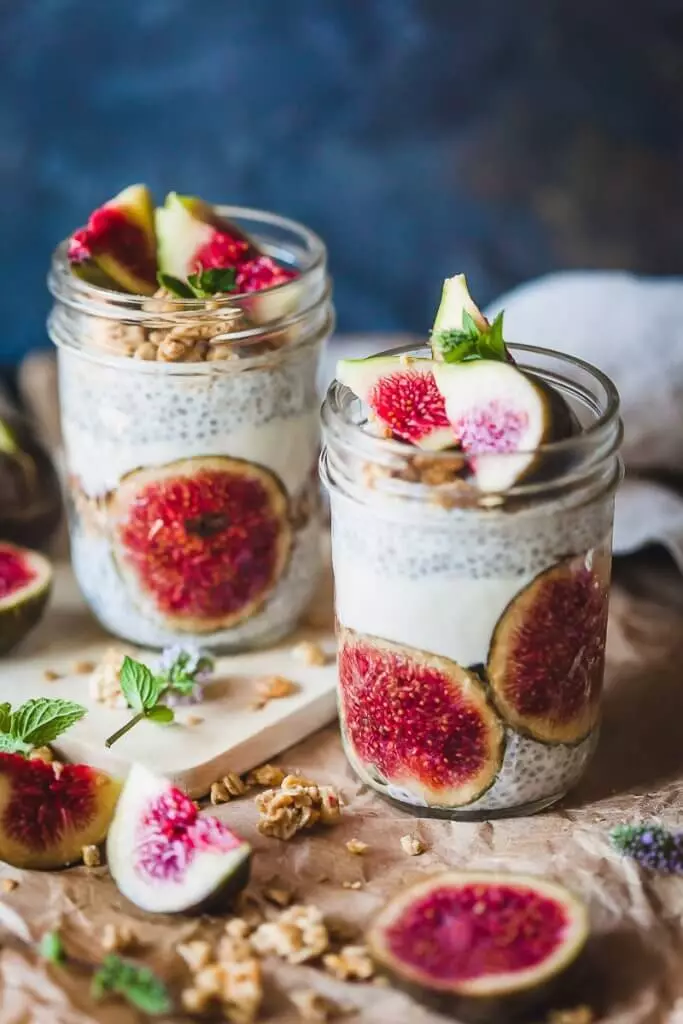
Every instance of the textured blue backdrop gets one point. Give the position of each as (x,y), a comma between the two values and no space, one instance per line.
(504,137)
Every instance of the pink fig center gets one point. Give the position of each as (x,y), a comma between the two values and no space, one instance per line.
(262,272)
(15,572)
(204,546)
(110,231)
(475,931)
(172,833)
(222,250)
(45,805)
(410,403)
(493,427)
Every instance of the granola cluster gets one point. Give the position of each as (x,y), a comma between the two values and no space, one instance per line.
(233,785)
(226,978)
(195,339)
(297,935)
(105,684)
(298,804)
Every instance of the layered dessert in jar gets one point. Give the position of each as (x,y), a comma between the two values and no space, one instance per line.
(188,340)
(471,486)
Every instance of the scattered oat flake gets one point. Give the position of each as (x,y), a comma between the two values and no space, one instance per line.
(91,856)
(193,720)
(82,668)
(356,846)
(50,676)
(309,653)
(412,845)
(8,884)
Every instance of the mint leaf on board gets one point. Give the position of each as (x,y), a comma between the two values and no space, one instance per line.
(51,948)
(161,714)
(175,286)
(40,721)
(138,985)
(140,686)
(471,342)
(210,282)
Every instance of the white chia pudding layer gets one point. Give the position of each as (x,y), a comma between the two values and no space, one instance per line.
(118,417)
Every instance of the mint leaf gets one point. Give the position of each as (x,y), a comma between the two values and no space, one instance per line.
(51,948)
(471,342)
(41,721)
(5,716)
(210,282)
(138,985)
(161,714)
(10,745)
(175,286)
(140,687)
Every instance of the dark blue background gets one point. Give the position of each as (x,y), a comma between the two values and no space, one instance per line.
(501,137)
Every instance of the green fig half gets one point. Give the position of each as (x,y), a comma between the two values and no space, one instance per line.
(25,582)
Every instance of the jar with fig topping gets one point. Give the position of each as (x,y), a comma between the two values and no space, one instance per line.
(472,620)
(191,441)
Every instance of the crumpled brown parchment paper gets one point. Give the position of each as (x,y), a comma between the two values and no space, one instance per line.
(637,919)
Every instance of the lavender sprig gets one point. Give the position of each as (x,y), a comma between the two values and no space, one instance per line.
(651,845)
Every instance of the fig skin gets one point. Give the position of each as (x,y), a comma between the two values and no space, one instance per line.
(498,1003)
(30,494)
(25,607)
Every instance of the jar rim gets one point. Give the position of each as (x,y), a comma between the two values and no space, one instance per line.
(590,448)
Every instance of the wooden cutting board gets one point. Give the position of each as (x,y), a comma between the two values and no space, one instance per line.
(232,735)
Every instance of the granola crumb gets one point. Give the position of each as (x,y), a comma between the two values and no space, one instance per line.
(298,804)
(82,668)
(299,934)
(105,686)
(309,653)
(195,1001)
(281,897)
(273,688)
(266,775)
(412,845)
(42,754)
(225,789)
(91,856)
(49,675)
(196,954)
(118,938)
(352,885)
(8,884)
(313,1005)
(357,846)
(193,720)
(351,963)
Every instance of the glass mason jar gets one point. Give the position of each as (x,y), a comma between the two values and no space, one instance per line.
(472,625)
(191,442)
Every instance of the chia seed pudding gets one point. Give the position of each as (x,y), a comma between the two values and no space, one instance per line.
(471,620)
(190,428)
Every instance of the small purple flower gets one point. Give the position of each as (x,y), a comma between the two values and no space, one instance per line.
(651,845)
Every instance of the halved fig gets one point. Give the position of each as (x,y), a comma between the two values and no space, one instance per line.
(418,721)
(547,654)
(30,493)
(165,856)
(193,237)
(481,945)
(118,244)
(202,542)
(49,812)
(404,397)
(25,583)
(500,414)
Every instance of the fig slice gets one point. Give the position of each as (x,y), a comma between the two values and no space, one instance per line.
(455,302)
(420,722)
(25,583)
(483,945)
(49,812)
(166,857)
(547,653)
(193,237)
(118,244)
(499,413)
(402,393)
(201,542)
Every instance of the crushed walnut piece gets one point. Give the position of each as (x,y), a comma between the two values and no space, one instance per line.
(297,804)
(351,963)
(357,846)
(42,754)
(84,668)
(230,979)
(118,938)
(105,685)
(266,775)
(91,856)
(8,884)
(278,895)
(273,688)
(193,720)
(227,788)
(313,1005)
(412,845)
(309,653)
(297,935)
(50,676)
(196,954)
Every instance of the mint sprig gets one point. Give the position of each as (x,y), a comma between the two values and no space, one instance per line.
(138,985)
(471,342)
(51,948)
(210,282)
(175,286)
(36,723)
